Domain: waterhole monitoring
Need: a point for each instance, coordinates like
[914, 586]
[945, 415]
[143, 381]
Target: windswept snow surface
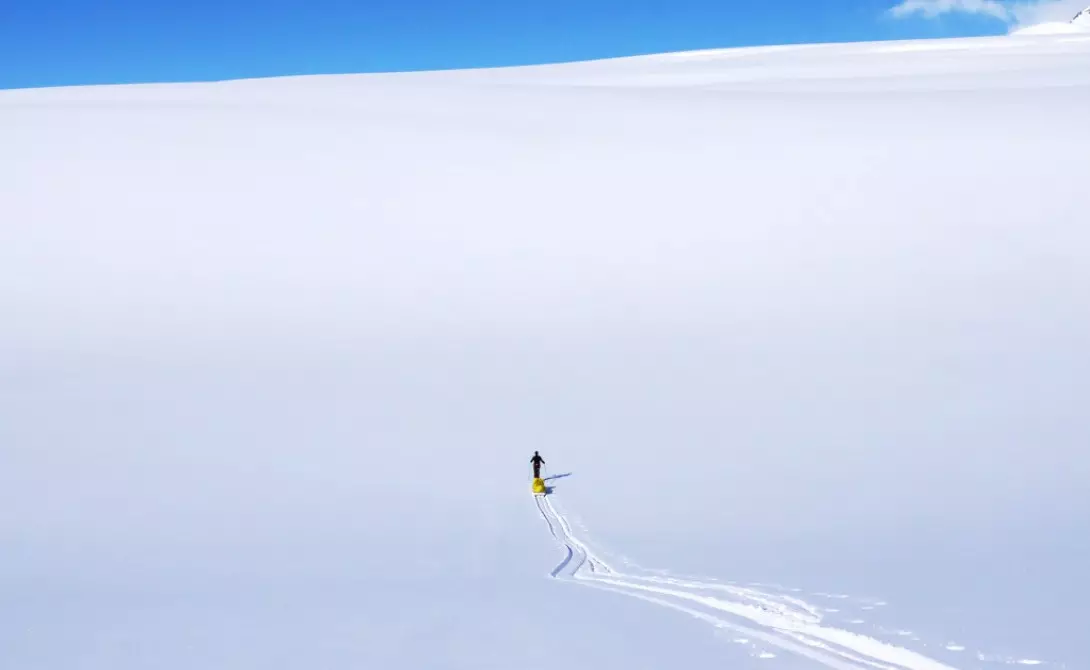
[805, 329]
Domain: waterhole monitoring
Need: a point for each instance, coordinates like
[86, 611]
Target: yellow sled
[539, 486]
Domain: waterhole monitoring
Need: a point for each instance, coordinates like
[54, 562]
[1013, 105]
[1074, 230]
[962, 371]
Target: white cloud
[1016, 14]
[933, 8]
[1031, 13]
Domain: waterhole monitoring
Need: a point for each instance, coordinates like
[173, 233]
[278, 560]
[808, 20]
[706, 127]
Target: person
[537, 462]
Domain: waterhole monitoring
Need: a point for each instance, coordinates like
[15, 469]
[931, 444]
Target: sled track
[552, 530]
[751, 615]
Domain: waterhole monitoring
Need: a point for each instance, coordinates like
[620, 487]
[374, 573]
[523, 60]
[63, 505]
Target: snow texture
[800, 332]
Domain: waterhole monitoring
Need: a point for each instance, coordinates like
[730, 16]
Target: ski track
[552, 531]
[784, 622]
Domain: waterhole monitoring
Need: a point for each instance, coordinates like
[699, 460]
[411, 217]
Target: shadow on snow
[549, 489]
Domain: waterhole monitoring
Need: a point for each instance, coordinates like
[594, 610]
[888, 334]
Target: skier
[537, 462]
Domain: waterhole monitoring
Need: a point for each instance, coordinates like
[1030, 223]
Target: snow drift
[809, 322]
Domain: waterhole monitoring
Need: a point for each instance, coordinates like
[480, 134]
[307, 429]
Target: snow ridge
[1080, 23]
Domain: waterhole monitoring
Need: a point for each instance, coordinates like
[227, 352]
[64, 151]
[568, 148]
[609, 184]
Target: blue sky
[64, 42]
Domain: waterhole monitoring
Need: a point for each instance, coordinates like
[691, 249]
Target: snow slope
[1079, 24]
[803, 329]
